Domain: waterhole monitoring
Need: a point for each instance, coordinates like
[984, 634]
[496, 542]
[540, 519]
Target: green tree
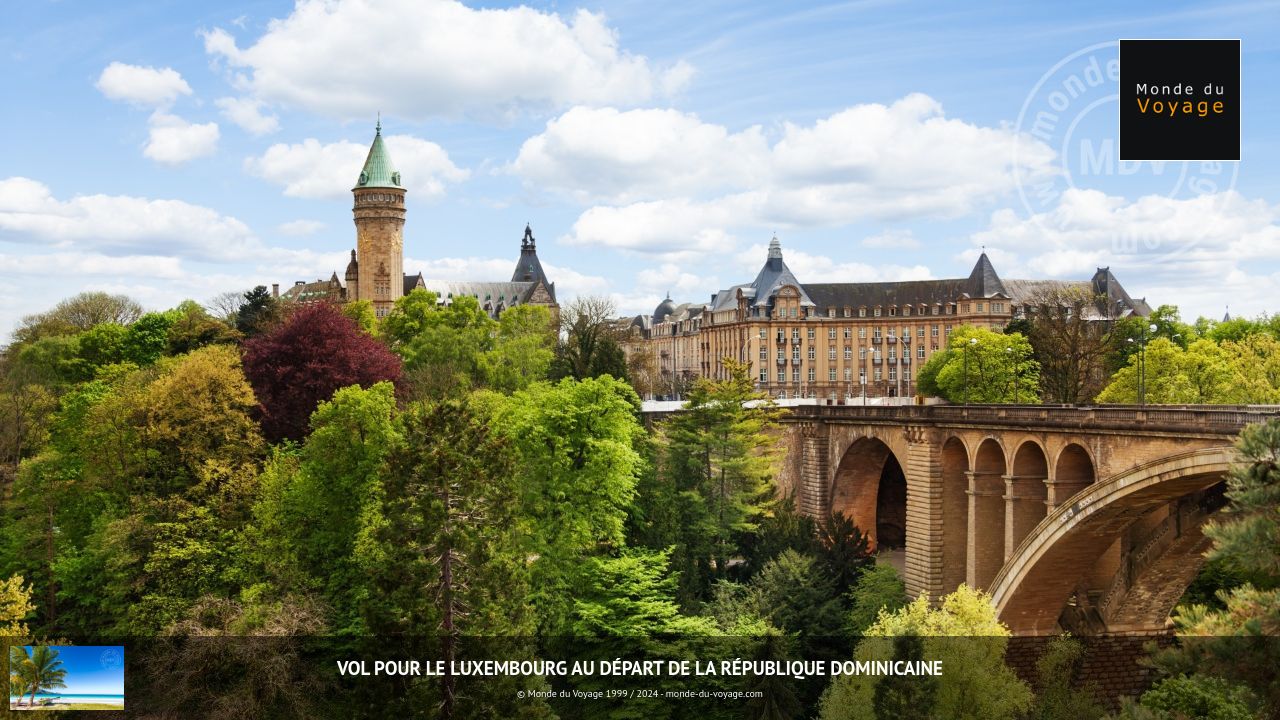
[1193, 698]
[148, 338]
[982, 366]
[1166, 377]
[1071, 340]
[1255, 367]
[42, 670]
[843, 550]
[793, 593]
[575, 477]
[965, 635]
[102, 345]
[1055, 698]
[442, 345]
[522, 349]
[257, 311]
[78, 313]
[630, 595]
[720, 458]
[192, 328]
[361, 311]
[878, 589]
[1237, 643]
[590, 347]
[15, 606]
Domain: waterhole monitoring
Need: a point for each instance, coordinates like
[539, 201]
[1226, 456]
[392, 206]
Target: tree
[15, 606]
[1070, 341]
[78, 313]
[443, 528]
[192, 328]
[878, 589]
[976, 684]
[720, 458]
[1055, 698]
[1195, 697]
[590, 348]
[257, 312]
[362, 312]
[630, 595]
[1237, 643]
[42, 670]
[575, 477]
[796, 595]
[522, 349]
[300, 363]
[844, 552]
[1255, 367]
[148, 338]
[994, 368]
[442, 345]
[1165, 377]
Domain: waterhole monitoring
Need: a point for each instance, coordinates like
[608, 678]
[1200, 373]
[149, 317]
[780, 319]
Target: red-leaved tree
[301, 362]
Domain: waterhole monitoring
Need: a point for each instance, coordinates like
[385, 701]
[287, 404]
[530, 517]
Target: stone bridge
[1079, 518]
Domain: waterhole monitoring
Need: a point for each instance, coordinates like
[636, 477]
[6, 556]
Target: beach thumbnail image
[66, 677]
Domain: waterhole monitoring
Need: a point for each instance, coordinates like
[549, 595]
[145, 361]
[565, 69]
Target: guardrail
[1211, 418]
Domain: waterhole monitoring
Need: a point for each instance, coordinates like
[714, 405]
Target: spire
[353, 267]
[527, 241]
[1226, 317]
[983, 281]
[775, 248]
[528, 268]
[378, 170]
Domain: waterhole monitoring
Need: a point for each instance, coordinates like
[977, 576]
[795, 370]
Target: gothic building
[837, 340]
[376, 271]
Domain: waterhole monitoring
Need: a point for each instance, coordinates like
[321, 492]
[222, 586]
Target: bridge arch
[1027, 493]
[1033, 587]
[986, 512]
[955, 512]
[1073, 470]
[870, 488]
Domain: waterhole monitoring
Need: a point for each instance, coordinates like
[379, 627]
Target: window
[862, 333]
[934, 348]
[764, 375]
[811, 331]
[764, 353]
[877, 312]
[831, 312]
[862, 312]
[906, 375]
[795, 353]
[782, 376]
[997, 307]
[920, 351]
[979, 307]
[831, 333]
[933, 331]
[831, 375]
[831, 353]
[906, 310]
[862, 353]
[813, 352]
[893, 374]
[848, 333]
[875, 334]
[848, 373]
[893, 354]
[879, 375]
[848, 353]
[846, 312]
[893, 310]
[862, 376]
[920, 331]
[812, 375]
[795, 375]
[793, 311]
[948, 332]
[795, 334]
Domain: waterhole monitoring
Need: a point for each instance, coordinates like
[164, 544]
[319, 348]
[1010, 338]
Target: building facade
[376, 270]
[835, 340]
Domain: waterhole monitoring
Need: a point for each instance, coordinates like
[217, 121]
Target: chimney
[275, 289]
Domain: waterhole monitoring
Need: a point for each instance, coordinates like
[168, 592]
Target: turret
[379, 216]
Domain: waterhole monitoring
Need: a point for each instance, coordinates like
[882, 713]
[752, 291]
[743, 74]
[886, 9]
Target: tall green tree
[982, 366]
[590, 347]
[523, 349]
[721, 460]
[15, 606]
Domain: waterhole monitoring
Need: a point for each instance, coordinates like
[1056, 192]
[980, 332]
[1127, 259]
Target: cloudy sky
[173, 150]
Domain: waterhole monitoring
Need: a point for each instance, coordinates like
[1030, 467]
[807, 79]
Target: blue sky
[91, 670]
[170, 150]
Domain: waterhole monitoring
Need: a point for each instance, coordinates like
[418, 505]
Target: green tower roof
[378, 170]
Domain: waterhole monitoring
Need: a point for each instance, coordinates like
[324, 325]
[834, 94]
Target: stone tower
[378, 265]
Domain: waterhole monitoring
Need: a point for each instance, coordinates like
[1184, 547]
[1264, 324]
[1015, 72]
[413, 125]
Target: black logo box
[1160, 77]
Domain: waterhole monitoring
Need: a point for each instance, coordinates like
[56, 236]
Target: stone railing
[1215, 419]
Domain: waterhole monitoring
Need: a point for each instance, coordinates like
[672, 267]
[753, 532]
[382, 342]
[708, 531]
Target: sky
[91, 669]
[171, 150]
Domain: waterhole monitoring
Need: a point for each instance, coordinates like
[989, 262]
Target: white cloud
[118, 224]
[96, 264]
[892, 240]
[174, 141]
[665, 179]
[313, 170]
[1187, 251]
[300, 227]
[674, 279]
[142, 85]
[248, 114]
[347, 58]
[810, 268]
[619, 157]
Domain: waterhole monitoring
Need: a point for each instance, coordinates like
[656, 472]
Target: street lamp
[972, 342]
[1142, 362]
[1013, 375]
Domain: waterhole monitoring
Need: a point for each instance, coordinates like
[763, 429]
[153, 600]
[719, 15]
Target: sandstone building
[376, 271]
[835, 340]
